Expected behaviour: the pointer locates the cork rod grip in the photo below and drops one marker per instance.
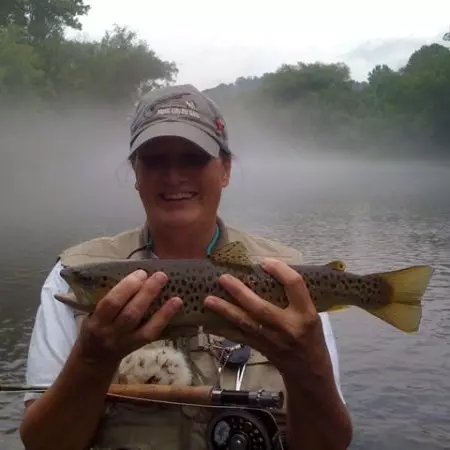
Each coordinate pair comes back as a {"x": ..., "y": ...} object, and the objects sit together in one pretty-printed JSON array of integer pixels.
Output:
[{"x": 200, "y": 395}]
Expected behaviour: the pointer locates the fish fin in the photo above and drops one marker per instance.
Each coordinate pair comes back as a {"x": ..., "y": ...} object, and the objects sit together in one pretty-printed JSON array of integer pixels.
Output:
[
  {"x": 232, "y": 253},
  {"x": 70, "y": 299},
  {"x": 337, "y": 265},
  {"x": 408, "y": 286}
]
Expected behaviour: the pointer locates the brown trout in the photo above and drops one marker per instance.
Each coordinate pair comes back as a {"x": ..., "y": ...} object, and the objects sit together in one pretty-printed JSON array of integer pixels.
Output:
[{"x": 394, "y": 297}]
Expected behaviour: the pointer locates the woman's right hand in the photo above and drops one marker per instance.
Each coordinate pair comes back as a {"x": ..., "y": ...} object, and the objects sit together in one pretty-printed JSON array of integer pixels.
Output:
[{"x": 114, "y": 329}]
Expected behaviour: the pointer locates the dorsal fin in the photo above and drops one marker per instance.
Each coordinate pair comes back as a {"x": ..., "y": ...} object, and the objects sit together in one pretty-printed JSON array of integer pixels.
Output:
[
  {"x": 231, "y": 253},
  {"x": 337, "y": 265}
]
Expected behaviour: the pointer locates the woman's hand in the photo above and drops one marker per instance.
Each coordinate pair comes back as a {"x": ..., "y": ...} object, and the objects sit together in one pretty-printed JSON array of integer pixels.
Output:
[
  {"x": 291, "y": 338},
  {"x": 114, "y": 329}
]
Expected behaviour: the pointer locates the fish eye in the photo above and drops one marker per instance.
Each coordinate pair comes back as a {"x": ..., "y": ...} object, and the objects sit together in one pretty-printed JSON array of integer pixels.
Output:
[{"x": 84, "y": 279}]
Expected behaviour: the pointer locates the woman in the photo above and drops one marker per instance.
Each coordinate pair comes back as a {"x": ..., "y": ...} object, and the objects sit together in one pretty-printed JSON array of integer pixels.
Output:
[{"x": 180, "y": 156}]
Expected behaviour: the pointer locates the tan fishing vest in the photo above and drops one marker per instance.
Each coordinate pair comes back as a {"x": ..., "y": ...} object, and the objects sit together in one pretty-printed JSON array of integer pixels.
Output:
[{"x": 156, "y": 427}]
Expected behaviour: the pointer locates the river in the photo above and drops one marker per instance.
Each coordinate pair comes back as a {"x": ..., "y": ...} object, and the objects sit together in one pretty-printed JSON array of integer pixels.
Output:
[{"x": 375, "y": 216}]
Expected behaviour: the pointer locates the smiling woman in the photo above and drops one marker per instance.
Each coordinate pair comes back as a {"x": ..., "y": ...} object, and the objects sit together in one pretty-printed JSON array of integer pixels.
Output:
[
  {"x": 180, "y": 188},
  {"x": 182, "y": 162}
]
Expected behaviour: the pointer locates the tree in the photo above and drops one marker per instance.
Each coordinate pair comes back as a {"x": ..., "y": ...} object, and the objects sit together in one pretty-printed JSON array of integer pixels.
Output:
[
  {"x": 19, "y": 65},
  {"x": 112, "y": 69},
  {"x": 42, "y": 19}
]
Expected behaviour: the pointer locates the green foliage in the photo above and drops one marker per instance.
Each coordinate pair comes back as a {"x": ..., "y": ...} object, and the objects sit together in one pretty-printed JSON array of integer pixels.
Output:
[
  {"x": 19, "y": 64},
  {"x": 42, "y": 18},
  {"x": 319, "y": 105},
  {"x": 36, "y": 61},
  {"x": 109, "y": 70}
]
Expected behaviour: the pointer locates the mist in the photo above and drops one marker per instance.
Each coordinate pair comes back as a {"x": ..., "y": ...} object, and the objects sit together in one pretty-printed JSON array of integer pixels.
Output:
[
  {"x": 59, "y": 166},
  {"x": 65, "y": 179}
]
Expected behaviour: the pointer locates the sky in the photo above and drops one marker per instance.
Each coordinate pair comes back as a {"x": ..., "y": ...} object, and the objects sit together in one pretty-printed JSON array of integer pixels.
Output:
[{"x": 216, "y": 42}]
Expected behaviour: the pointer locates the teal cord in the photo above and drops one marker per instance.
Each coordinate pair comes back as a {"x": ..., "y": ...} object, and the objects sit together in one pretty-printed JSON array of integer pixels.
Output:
[
  {"x": 213, "y": 242},
  {"x": 209, "y": 250}
]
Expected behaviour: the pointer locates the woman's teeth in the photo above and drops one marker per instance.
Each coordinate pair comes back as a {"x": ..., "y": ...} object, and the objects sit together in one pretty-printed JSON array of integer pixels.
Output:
[{"x": 178, "y": 196}]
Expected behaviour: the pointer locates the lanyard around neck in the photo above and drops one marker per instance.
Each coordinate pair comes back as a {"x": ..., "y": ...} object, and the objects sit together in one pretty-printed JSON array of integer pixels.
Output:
[{"x": 149, "y": 245}]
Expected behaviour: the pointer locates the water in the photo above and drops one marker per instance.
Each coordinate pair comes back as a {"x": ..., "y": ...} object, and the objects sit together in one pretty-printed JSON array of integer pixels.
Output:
[{"x": 374, "y": 216}]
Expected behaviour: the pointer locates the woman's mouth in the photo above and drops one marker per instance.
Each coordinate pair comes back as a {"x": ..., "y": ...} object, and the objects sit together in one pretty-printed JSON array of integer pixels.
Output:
[{"x": 178, "y": 196}]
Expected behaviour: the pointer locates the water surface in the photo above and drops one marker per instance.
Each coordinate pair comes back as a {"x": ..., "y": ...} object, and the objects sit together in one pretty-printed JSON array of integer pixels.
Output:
[{"x": 374, "y": 216}]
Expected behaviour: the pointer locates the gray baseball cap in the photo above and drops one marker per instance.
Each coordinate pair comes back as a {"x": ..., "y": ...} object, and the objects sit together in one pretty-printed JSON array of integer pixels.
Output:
[{"x": 181, "y": 111}]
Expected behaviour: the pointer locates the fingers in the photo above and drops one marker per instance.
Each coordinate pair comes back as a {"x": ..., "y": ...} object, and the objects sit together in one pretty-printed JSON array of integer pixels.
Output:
[
  {"x": 233, "y": 313},
  {"x": 131, "y": 314},
  {"x": 295, "y": 287},
  {"x": 153, "y": 328},
  {"x": 261, "y": 310},
  {"x": 109, "y": 306}
]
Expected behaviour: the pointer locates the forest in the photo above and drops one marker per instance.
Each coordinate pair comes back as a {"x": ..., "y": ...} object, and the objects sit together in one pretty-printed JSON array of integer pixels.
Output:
[{"x": 406, "y": 111}]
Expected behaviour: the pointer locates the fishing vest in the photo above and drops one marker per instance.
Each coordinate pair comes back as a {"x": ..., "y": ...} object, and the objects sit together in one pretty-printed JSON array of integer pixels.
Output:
[{"x": 154, "y": 426}]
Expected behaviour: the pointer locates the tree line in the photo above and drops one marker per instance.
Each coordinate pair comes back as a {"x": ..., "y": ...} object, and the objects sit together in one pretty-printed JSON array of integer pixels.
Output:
[
  {"x": 406, "y": 110},
  {"x": 318, "y": 104},
  {"x": 37, "y": 62}
]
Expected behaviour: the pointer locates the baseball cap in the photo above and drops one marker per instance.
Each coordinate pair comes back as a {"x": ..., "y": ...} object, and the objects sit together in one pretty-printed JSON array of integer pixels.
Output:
[{"x": 181, "y": 111}]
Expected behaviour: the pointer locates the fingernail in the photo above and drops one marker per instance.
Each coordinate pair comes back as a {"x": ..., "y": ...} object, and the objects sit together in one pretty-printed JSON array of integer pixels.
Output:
[
  {"x": 209, "y": 301},
  {"x": 140, "y": 274},
  {"x": 160, "y": 277},
  {"x": 266, "y": 261},
  {"x": 226, "y": 277},
  {"x": 176, "y": 303}
]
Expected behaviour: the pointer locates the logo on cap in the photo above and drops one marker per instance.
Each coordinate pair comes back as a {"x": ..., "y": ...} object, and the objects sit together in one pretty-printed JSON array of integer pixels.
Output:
[{"x": 191, "y": 104}]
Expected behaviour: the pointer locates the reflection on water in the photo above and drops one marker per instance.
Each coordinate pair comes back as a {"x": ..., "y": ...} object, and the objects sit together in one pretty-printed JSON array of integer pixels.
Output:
[{"x": 373, "y": 217}]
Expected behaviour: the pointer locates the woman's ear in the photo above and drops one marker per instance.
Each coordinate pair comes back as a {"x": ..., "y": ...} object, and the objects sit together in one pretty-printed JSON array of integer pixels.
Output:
[{"x": 227, "y": 172}]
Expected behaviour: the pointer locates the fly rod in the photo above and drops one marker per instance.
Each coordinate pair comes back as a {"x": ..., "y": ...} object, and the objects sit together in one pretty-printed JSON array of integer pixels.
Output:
[{"x": 186, "y": 395}]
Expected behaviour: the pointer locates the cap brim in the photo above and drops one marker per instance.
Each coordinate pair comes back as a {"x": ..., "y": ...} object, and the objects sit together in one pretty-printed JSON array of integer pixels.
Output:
[{"x": 178, "y": 129}]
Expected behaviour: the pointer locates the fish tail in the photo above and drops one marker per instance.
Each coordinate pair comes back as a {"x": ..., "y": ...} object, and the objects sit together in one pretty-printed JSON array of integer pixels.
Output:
[{"x": 407, "y": 288}]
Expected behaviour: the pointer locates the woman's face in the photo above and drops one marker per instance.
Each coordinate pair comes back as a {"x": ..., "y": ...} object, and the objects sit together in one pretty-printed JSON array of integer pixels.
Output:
[{"x": 179, "y": 184}]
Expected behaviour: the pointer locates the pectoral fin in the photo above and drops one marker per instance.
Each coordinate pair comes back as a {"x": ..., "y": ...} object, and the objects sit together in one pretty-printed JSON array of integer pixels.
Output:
[{"x": 70, "y": 299}]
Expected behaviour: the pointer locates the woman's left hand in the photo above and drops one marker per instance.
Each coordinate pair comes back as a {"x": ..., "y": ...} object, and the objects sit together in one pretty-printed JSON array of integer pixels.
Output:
[{"x": 291, "y": 338}]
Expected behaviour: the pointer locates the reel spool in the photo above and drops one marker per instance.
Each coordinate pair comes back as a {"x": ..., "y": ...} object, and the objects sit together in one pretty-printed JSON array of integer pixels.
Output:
[{"x": 243, "y": 430}]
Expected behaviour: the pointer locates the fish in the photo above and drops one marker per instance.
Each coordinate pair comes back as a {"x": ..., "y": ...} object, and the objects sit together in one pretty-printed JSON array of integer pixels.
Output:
[{"x": 393, "y": 296}]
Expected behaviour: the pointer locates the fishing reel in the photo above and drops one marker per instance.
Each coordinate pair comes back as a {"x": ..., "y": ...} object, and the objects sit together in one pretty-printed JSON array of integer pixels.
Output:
[{"x": 243, "y": 429}]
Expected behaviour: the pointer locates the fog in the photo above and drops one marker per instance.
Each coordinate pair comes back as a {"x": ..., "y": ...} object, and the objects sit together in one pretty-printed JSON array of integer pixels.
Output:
[
  {"x": 57, "y": 166},
  {"x": 64, "y": 178}
]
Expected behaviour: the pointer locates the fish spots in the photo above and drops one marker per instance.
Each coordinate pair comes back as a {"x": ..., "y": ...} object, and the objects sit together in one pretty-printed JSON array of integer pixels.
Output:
[{"x": 104, "y": 282}]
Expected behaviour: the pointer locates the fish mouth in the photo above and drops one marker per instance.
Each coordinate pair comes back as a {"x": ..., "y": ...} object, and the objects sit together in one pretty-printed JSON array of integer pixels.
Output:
[{"x": 178, "y": 196}]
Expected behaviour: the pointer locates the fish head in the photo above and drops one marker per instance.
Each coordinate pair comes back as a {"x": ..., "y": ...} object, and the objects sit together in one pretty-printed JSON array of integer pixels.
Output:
[
  {"x": 88, "y": 285},
  {"x": 78, "y": 276}
]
